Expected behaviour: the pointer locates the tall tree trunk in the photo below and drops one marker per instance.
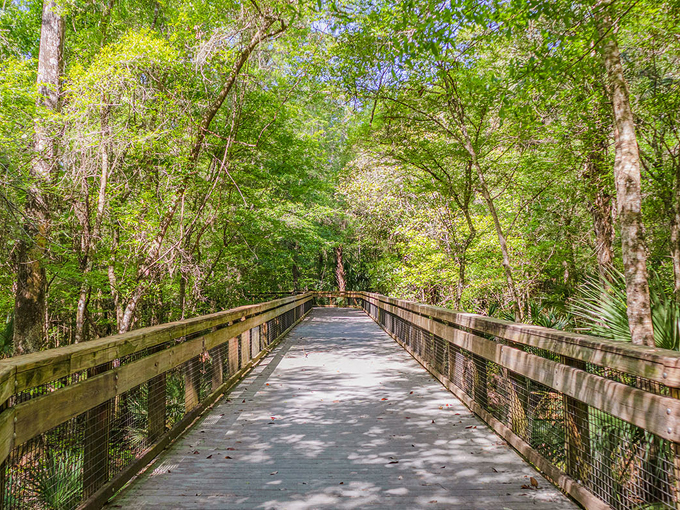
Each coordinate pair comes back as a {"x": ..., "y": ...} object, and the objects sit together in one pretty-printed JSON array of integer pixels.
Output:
[
  {"x": 30, "y": 307},
  {"x": 340, "y": 269},
  {"x": 628, "y": 194},
  {"x": 507, "y": 267},
  {"x": 460, "y": 285},
  {"x": 91, "y": 235},
  {"x": 675, "y": 233},
  {"x": 600, "y": 209}
]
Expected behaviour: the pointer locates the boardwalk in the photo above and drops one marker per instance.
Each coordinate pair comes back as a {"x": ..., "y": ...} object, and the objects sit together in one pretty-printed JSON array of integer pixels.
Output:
[{"x": 340, "y": 417}]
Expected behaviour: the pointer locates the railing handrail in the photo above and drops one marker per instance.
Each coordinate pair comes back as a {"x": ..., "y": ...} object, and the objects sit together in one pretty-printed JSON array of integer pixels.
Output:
[
  {"x": 28, "y": 371},
  {"x": 653, "y": 363}
]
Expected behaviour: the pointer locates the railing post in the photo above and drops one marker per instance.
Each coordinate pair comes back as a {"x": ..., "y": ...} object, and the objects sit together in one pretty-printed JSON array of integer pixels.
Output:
[
  {"x": 480, "y": 380},
  {"x": 191, "y": 374},
  {"x": 216, "y": 377},
  {"x": 245, "y": 348},
  {"x": 96, "y": 442},
  {"x": 264, "y": 334},
  {"x": 232, "y": 355},
  {"x": 576, "y": 431},
  {"x": 675, "y": 448},
  {"x": 156, "y": 406}
]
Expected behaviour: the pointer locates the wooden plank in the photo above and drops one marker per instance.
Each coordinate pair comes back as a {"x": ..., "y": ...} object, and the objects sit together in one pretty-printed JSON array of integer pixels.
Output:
[
  {"x": 43, "y": 413},
  {"x": 38, "y": 368},
  {"x": 233, "y": 356},
  {"x": 660, "y": 365},
  {"x": 7, "y": 380},
  {"x": 245, "y": 347},
  {"x": 255, "y": 341}
]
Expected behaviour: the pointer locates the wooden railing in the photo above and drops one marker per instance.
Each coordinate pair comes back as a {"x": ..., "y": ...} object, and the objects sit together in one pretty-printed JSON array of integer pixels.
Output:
[
  {"x": 600, "y": 418},
  {"x": 77, "y": 422}
]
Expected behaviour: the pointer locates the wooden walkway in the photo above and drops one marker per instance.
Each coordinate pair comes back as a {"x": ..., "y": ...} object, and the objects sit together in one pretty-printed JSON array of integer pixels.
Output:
[{"x": 340, "y": 417}]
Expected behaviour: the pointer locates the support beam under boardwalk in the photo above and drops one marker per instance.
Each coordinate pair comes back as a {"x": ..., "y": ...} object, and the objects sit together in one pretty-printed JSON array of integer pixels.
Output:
[{"x": 339, "y": 416}]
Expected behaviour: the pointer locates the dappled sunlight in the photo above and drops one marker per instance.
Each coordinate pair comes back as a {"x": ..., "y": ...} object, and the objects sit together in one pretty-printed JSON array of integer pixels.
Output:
[{"x": 340, "y": 417}]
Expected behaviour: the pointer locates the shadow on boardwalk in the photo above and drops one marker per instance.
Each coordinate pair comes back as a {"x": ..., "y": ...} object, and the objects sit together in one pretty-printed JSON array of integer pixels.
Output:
[{"x": 340, "y": 417}]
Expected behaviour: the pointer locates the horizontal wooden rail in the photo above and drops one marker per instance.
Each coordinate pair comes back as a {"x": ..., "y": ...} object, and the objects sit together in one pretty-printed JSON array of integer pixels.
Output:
[
  {"x": 31, "y": 370},
  {"x": 659, "y": 365},
  {"x": 89, "y": 401}
]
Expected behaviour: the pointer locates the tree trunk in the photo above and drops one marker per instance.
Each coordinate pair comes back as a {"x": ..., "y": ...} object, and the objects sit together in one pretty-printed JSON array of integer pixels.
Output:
[
  {"x": 30, "y": 307},
  {"x": 340, "y": 269},
  {"x": 460, "y": 285},
  {"x": 507, "y": 267},
  {"x": 675, "y": 234},
  {"x": 601, "y": 210},
  {"x": 92, "y": 235},
  {"x": 628, "y": 193}
]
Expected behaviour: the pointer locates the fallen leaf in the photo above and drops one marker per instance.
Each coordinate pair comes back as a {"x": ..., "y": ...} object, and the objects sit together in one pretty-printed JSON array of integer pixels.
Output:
[
  {"x": 195, "y": 452},
  {"x": 494, "y": 470},
  {"x": 341, "y": 483},
  {"x": 231, "y": 449},
  {"x": 273, "y": 472},
  {"x": 525, "y": 487},
  {"x": 469, "y": 427},
  {"x": 227, "y": 457},
  {"x": 534, "y": 482},
  {"x": 432, "y": 421},
  {"x": 433, "y": 501},
  {"x": 383, "y": 398},
  {"x": 393, "y": 462},
  {"x": 244, "y": 401},
  {"x": 209, "y": 456},
  {"x": 411, "y": 393}
]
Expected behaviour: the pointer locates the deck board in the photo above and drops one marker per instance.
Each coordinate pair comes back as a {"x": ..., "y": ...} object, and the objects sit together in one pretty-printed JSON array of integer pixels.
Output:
[{"x": 340, "y": 417}]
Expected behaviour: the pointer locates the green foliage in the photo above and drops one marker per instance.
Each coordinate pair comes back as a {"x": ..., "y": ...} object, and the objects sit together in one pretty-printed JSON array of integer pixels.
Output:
[
  {"x": 603, "y": 309},
  {"x": 6, "y": 337},
  {"x": 57, "y": 481}
]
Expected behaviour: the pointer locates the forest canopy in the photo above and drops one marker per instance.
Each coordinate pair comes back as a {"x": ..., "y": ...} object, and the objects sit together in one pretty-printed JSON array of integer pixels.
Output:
[{"x": 162, "y": 160}]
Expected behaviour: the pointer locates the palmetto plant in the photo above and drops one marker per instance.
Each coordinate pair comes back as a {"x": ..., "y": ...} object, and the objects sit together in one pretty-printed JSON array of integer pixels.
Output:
[
  {"x": 603, "y": 310},
  {"x": 57, "y": 481}
]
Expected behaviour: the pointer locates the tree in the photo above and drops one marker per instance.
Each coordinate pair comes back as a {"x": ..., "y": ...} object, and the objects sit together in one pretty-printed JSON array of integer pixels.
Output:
[
  {"x": 31, "y": 286},
  {"x": 628, "y": 193}
]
